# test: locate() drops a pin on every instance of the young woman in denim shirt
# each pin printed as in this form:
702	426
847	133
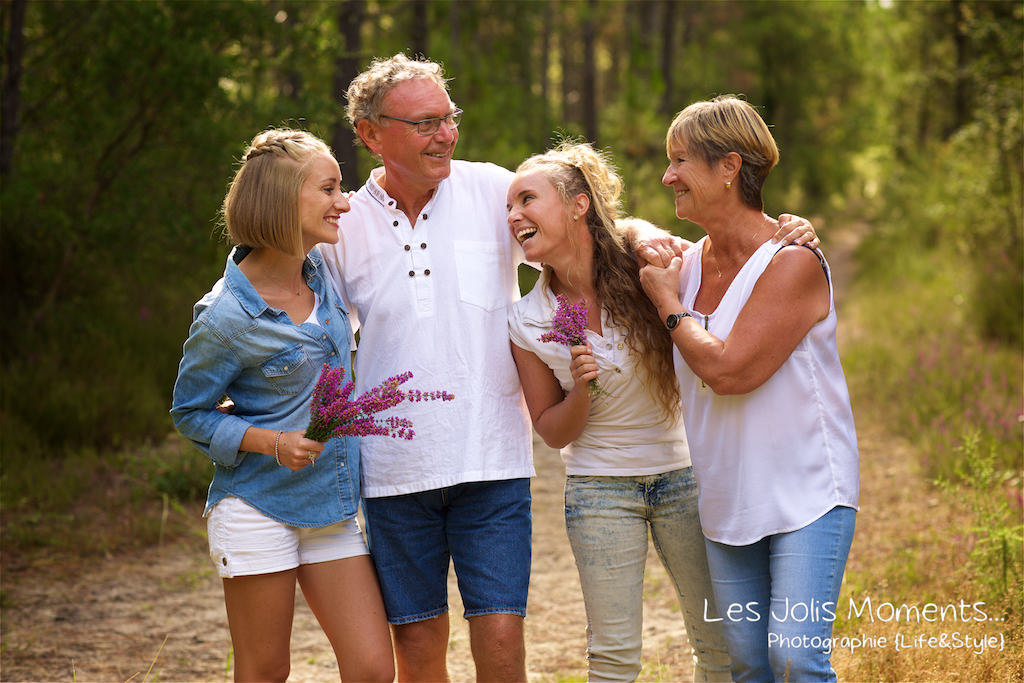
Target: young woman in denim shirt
281	508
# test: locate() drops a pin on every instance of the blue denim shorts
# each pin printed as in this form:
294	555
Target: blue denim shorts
483	528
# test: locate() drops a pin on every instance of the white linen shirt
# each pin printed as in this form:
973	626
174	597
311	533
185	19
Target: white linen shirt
779	457
433	299
626	433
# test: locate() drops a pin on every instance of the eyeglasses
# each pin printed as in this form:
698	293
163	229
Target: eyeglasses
431	126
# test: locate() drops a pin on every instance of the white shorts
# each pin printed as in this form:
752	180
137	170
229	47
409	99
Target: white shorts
244	541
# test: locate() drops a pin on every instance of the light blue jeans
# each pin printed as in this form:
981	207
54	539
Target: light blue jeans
607	519
778	599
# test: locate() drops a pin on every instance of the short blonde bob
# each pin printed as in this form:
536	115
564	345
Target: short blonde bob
261	208
714	128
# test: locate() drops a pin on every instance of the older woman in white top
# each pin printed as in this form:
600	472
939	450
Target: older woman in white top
625	450
764	399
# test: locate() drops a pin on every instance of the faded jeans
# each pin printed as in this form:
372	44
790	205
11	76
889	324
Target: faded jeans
607	519
779	598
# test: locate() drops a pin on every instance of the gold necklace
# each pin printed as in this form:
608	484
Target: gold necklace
281	284
715	264
714	260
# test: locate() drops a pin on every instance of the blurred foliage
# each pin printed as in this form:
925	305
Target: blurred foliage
939	295
98	502
130	117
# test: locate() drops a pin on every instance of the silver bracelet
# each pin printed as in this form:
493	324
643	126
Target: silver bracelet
277	439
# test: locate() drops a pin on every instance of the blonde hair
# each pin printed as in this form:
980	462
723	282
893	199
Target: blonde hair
261	208
577	168
367	91
714	128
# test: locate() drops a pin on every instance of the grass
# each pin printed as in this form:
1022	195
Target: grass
916	364
93	503
939	415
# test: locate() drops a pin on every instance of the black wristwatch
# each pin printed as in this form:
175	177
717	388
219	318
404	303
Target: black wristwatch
673	320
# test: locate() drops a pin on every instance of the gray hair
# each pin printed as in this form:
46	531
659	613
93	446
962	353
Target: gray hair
367	91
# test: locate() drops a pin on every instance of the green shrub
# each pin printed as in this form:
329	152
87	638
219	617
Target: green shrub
996	539
97	501
923	371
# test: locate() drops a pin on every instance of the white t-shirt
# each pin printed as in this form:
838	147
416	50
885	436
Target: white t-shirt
626	433
778	458
433	299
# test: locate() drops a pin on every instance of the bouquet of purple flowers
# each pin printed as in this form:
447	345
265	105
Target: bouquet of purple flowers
332	414
569	327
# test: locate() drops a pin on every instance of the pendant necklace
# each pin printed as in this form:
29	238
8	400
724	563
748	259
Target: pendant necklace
714	260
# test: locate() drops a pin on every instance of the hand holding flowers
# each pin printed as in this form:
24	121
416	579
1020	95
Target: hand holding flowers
332	414
569	327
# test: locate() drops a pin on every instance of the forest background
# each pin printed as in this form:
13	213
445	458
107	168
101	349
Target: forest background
900	127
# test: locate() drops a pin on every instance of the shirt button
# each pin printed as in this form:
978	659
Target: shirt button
395	223
424	216
286	367
423	245
328	322
618	370
323	336
427	271
619	347
412	273
391	203
407	247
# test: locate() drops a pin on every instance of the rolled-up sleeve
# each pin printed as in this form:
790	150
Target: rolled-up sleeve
207	369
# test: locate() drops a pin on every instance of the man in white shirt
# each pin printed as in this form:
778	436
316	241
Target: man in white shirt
429	268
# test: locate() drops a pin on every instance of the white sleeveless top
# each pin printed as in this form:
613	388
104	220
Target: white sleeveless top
778	458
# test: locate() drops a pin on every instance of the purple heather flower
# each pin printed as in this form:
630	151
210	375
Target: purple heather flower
332	414
569	328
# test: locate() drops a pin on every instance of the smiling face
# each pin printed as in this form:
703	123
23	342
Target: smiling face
540	219
412	160
696	184
321	202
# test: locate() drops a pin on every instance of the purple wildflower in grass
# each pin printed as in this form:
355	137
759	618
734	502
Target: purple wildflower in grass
332	414
569	327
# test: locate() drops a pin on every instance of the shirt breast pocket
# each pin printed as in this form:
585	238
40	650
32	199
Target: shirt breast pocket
480	268
290	371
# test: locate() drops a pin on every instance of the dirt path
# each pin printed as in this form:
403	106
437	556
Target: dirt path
108	620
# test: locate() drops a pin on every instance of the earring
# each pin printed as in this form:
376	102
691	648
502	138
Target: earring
575	217
728	184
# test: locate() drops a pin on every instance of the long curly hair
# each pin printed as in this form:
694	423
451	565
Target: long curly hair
578	168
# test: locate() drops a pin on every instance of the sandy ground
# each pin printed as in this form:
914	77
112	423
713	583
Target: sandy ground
160	616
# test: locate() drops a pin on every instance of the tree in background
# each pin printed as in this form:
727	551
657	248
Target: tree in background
121	121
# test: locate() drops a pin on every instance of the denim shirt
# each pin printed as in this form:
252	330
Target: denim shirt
240	346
